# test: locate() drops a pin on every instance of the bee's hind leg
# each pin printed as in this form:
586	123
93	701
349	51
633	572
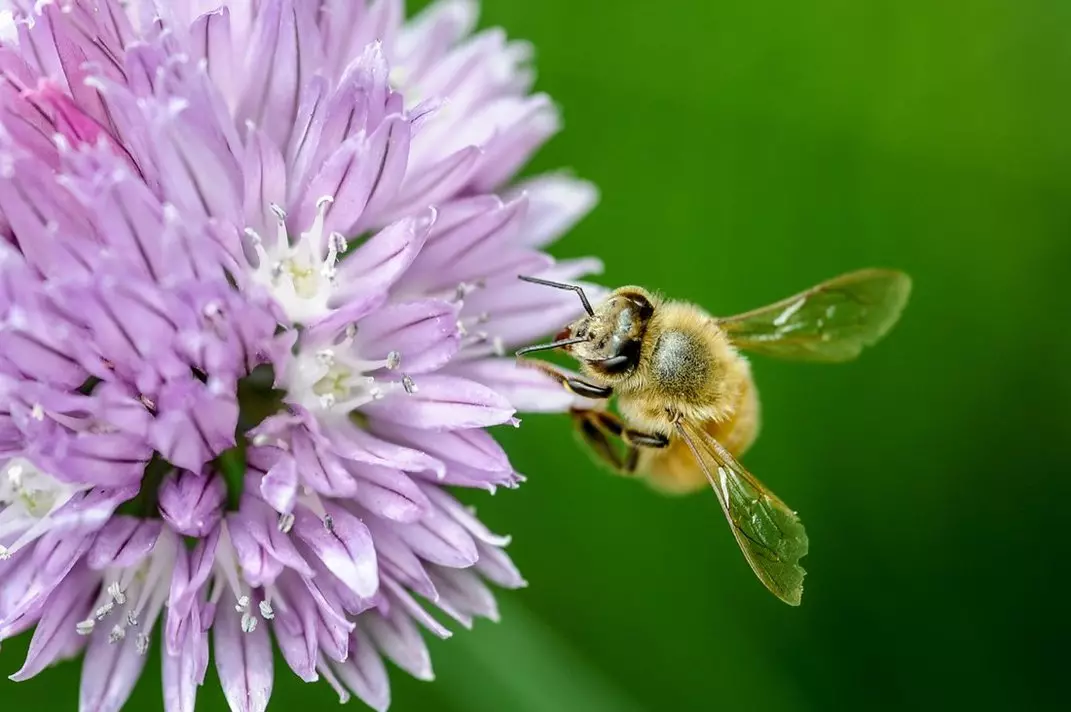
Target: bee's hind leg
597	427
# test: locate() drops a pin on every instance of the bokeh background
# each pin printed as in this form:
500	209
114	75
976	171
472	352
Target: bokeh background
747	149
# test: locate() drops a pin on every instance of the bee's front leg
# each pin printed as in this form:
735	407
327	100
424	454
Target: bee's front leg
576	386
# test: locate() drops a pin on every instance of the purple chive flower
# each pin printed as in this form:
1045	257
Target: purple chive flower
257	290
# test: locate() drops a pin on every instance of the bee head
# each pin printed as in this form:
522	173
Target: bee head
610	340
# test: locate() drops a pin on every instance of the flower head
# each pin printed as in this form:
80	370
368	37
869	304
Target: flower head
257	282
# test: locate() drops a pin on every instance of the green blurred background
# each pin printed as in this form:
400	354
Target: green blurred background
746	149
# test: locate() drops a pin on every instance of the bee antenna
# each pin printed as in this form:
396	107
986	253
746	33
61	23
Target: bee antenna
561	285
552	345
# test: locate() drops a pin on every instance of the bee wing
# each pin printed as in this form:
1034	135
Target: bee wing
829	322
769	533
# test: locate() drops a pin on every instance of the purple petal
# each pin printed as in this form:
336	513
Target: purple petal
395	634
434	184
265	183
89	510
527	389
361	173
443	402
476	448
259	567
528	124
460	475
295	631
379	262
199	174
195	423
261	524
123	542
332	627
321	471
357	444
497	567
425	333
35	573
192	503
401	598
56	635
109	672
556	202
244	663
283	54
464	592
188	579
439	539
465	516
397	558
521	313
388	493
210	40
346	549
467	234
364	673
279	486
184	671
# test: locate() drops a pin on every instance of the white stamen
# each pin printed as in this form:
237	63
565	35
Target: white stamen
116	593
286	523
300	273
117	633
142	643
266	611
85	627
249	623
102	612
243	604
37	412
329	523
408	385
394	360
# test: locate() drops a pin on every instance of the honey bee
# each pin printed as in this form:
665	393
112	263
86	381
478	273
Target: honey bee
687	401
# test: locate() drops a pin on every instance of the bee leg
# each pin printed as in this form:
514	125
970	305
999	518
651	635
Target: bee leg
598	439
575	386
596	425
